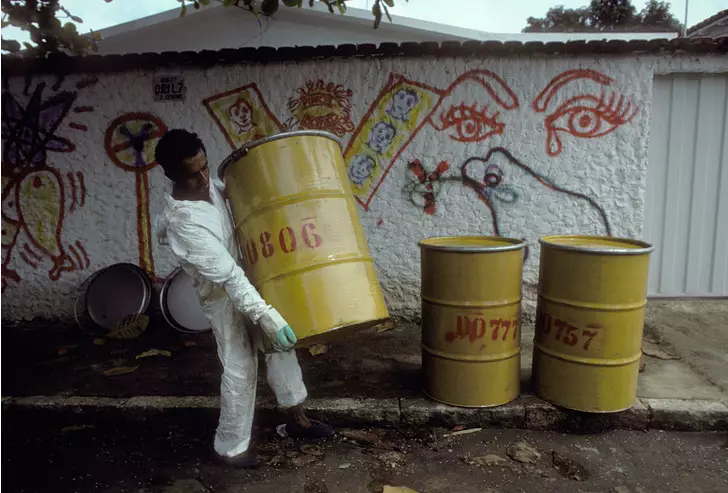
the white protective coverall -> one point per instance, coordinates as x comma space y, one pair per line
201, 236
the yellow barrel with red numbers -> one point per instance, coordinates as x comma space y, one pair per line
592, 294
471, 319
299, 233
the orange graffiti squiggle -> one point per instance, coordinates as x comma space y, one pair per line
493, 84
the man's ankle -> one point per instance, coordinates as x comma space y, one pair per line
245, 460
298, 416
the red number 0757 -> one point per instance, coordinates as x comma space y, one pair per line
565, 333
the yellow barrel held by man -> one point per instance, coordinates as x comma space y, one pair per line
300, 236
589, 322
471, 307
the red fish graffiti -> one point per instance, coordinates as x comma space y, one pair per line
36, 196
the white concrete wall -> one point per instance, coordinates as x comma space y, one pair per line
581, 152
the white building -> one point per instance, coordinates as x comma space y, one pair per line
216, 27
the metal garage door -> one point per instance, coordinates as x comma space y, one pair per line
686, 213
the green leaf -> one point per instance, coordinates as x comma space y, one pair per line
390, 3
10, 45
153, 352
76, 18
377, 11
269, 7
120, 370
292, 3
129, 327
342, 7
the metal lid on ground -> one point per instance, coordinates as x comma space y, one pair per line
242, 151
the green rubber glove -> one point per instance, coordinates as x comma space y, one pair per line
285, 339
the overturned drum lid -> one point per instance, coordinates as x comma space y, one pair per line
180, 305
113, 293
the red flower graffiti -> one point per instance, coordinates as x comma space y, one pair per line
585, 116
425, 189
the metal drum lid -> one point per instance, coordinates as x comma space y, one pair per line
180, 305
116, 292
242, 151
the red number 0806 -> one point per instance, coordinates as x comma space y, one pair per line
266, 244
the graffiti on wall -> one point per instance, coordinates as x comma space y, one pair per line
242, 115
385, 131
493, 190
582, 104
130, 142
35, 195
321, 106
491, 184
400, 111
425, 184
586, 115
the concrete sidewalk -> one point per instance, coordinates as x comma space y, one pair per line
371, 379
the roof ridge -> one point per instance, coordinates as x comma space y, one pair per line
705, 22
64, 64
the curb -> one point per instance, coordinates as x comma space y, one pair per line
526, 412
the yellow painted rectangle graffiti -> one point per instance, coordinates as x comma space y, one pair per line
390, 124
242, 115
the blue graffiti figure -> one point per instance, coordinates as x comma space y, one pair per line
403, 102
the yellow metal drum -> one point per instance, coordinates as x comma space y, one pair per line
590, 316
471, 310
299, 232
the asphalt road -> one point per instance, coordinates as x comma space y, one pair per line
50, 452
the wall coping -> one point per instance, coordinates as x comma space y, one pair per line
61, 64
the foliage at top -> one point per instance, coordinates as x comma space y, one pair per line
52, 28
606, 16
